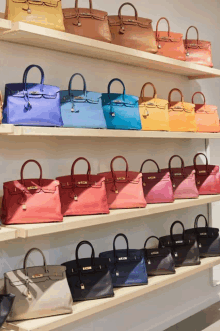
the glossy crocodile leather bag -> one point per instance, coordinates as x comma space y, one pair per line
6, 302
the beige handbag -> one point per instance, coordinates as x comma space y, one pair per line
39, 291
46, 13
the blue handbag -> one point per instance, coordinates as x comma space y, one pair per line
127, 266
82, 109
32, 104
121, 110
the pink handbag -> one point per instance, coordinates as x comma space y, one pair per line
157, 185
83, 194
183, 180
124, 188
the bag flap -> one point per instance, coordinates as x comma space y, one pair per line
189, 172
134, 255
189, 239
72, 13
151, 176
182, 106
34, 91
149, 103
156, 252
206, 109
133, 177
192, 43
117, 100
174, 37
78, 96
212, 169
96, 181
130, 20
203, 232
86, 266
31, 186
50, 3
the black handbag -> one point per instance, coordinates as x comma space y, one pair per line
6, 302
159, 261
184, 247
207, 237
89, 278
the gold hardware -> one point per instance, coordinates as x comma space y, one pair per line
202, 171
122, 258
72, 109
75, 198
82, 287
117, 101
144, 184
148, 262
153, 177
153, 253
116, 191
24, 207
177, 174
87, 268
82, 183
79, 24
32, 188
151, 104
117, 273
39, 276
174, 185
198, 182
34, 92
121, 178
78, 98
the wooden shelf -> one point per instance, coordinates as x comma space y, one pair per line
32, 35
5, 25
7, 234
6, 129
79, 222
82, 310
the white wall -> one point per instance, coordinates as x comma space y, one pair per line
158, 310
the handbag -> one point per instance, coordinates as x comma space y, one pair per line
39, 291
127, 266
153, 111
6, 302
89, 278
183, 180
46, 13
157, 186
181, 114
121, 111
83, 194
184, 247
207, 237
32, 104
90, 23
207, 119
132, 31
170, 44
159, 261
28, 201
80, 108
198, 51
124, 188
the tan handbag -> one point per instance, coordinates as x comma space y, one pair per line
39, 291
46, 13
87, 22
134, 32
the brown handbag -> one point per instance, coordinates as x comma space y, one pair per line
134, 32
87, 22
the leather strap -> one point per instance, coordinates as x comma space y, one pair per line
162, 18
192, 26
73, 166
142, 95
84, 242
194, 161
111, 165
116, 80
27, 255
145, 244
201, 94
130, 4
171, 229
26, 73
177, 90
90, 4
84, 83
126, 239
22, 170
150, 161
182, 163
197, 219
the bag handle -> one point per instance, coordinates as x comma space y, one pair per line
177, 90
90, 4
26, 73
142, 95
116, 80
201, 94
84, 83
111, 165
171, 229
197, 219
126, 239
162, 18
84, 242
27, 255
160, 242
73, 166
125, 4
22, 170
187, 31
182, 163
194, 161
150, 161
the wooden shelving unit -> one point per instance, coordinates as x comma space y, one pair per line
7, 234
5, 25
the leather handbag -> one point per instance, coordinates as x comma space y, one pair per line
159, 261
153, 111
184, 247
132, 31
157, 186
127, 266
46, 13
6, 302
183, 180
1, 106
89, 278
181, 114
39, 291
28, 201
121, 111
32, 104
170, 44
87, 22
81, 108
124, 188
83, 194
207, 119
198, 51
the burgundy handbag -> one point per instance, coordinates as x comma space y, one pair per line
183, 180
157, 185
27, 201
124, 188
83, 194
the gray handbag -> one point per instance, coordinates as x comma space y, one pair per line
39, 291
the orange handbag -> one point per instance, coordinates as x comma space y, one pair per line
181, 114
198, 51
169, 43
207, 119
153, 111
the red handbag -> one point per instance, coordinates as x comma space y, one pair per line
27, 201
83, 194
124, 188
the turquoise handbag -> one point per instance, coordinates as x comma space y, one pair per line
121, 110
81, 108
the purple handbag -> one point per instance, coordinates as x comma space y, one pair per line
32, 104
157, 186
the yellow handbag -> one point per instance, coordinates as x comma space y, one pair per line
46, 13
153, 111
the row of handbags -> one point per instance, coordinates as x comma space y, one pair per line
44, 105
134, 32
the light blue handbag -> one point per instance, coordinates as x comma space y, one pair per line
121, 110
82, 109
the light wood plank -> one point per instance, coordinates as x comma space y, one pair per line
5, 25
7, 234
6, 129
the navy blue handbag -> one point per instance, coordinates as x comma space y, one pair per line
127, 266
32, 104
121, 110
81, 108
